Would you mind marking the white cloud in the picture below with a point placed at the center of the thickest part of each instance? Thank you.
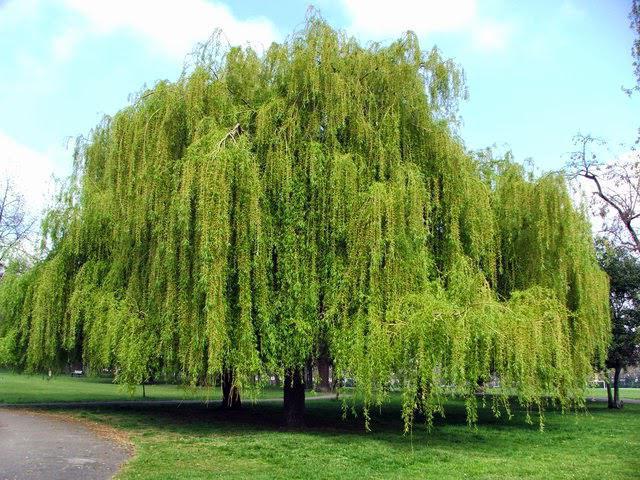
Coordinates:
(31, 171)
(16, 11)
(64, 44)
(169, 27)
(491, 36)
(570, 10)
(383, 18)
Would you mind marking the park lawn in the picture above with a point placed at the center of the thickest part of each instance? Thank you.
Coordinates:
(625, 393)
(208, 443)
(19, 388)
(198, 442)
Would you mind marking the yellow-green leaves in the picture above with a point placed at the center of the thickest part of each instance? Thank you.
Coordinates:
(262, 209)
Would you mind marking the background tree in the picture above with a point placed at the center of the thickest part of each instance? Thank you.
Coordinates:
(616, 189)
(15, 224)
(263, 211)
(623, 269)
(616, 184)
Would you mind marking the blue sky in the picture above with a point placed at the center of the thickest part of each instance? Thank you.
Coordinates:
(538, 72)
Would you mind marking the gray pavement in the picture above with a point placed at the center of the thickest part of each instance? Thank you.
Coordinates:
(41, 447)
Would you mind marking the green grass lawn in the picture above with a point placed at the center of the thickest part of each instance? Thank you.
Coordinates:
(15, 388)
(628, 393)
(199, 442)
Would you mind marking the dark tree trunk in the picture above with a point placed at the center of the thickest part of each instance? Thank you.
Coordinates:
(308, 375)
(610, 403)
(613, 392)
(294, 398)
(230, 394)
(324, 371)
(616, 391)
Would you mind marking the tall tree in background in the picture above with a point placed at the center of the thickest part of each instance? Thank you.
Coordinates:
(311, 202)
(623, 269)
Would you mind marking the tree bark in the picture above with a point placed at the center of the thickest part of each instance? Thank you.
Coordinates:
(294, 398)
(616, 391)
(230, 393)
(324, 370)
(610, 403)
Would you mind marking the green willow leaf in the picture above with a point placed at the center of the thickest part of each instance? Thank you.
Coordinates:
(265, 207)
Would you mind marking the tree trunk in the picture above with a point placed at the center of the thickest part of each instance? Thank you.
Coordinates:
(324, 370)
(610, 403)
(616, 391)
(294, 398)
(230, 394)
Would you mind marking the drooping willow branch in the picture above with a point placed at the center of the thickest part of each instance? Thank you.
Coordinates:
(339, 214)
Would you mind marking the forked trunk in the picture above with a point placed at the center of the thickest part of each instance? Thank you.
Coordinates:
(294, 398)
(230, 393)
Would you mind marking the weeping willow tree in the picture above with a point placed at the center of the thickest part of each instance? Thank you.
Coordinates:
(263, 209)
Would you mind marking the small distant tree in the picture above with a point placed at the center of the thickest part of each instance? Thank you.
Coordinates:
(15, 224)
(623, 269)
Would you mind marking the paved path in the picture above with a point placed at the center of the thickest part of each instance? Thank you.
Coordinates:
(39, 447)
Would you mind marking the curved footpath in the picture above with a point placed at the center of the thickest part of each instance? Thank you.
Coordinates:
(38, 447)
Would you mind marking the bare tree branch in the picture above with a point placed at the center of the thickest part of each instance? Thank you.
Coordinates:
(617, 185)
(15, 225)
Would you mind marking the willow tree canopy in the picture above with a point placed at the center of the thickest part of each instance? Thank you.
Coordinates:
(263, 207)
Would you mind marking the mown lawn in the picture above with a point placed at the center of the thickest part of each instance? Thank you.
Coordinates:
(17, 388)
(200, 443)
(628, 393)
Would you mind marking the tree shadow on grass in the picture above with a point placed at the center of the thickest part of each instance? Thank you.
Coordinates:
(325, 418)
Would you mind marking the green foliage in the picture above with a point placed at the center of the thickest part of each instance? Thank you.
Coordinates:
(623, 269)
(264, 206)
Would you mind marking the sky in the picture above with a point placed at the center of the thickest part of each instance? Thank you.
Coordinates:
(537, 72)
